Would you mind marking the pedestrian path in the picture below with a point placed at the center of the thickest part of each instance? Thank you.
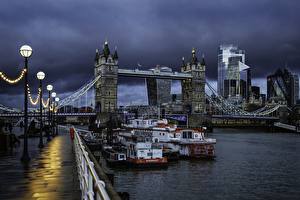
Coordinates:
(50, 175)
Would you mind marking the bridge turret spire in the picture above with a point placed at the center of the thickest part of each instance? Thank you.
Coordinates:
(194, 57)
(106, 51)
(183, 62)
(203, 61)
(97, 57)
(115, 56)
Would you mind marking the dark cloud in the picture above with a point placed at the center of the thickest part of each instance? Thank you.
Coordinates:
(64, 35)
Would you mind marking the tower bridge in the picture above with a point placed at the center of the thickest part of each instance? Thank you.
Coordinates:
(192, 77)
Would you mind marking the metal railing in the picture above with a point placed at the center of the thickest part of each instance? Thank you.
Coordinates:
(90, 184)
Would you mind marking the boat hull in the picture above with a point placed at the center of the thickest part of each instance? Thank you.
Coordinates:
(153, 162)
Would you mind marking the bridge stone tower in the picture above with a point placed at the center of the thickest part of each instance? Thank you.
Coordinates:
(193, 90)
(106, 65)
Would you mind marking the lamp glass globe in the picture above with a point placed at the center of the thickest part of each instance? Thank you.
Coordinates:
(49, 87)
(26, 51)
(40, 75)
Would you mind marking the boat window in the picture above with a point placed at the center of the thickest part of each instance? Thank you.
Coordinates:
(149, 154)
(189, 134)
(184, 135)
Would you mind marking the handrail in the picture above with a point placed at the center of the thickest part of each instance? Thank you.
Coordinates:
(90, 184)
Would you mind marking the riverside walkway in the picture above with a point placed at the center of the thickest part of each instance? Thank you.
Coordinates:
(51, 173)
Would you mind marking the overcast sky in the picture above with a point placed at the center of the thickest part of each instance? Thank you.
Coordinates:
(65, 33)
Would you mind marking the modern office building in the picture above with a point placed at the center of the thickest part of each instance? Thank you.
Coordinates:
(283, 87)
(159, 90)
(234, 76)
(255, 91)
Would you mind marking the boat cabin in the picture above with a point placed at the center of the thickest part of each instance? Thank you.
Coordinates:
(143, 150)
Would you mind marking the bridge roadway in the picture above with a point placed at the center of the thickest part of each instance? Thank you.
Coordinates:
(51, 173)
(153, 74)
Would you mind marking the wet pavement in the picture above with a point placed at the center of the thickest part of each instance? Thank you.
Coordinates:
(51, 173)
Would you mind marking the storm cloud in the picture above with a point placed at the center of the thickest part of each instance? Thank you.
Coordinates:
(64, 35)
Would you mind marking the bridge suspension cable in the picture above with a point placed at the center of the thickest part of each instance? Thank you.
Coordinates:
(76, 95)
(228, 108)
(7, 109)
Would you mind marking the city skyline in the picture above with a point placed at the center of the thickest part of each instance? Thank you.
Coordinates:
(64, 39)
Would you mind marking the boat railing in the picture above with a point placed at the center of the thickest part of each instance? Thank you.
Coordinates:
(90, 184)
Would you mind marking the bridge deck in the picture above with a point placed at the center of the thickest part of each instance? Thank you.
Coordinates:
(153, 74)
(51, 174)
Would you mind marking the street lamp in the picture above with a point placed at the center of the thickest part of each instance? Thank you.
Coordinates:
(53, 95)
(56, 100)
(26, 52)
(49, 88)
(41, 76)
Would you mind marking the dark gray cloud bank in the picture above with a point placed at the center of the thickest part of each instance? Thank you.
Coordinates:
(65, 33)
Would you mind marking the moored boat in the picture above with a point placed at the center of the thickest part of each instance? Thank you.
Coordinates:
(113, 156)
(145, 154)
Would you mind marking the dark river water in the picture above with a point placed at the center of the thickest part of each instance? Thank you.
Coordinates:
(249, 165)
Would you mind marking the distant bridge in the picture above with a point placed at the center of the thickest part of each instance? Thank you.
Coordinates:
(287, 127)
(84, 114)
(258, 117)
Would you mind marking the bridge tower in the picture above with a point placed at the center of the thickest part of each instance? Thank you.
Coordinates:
(106, 65)
(193, 90)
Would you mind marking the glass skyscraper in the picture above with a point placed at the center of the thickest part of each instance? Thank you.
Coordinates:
(283, 86)
(234, 78)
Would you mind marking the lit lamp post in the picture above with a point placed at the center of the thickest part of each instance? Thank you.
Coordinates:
(41, 76)
(49, 88)
(53, 95)
(26, 52)
(56, 100)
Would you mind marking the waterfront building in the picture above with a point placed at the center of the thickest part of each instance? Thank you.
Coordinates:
(234, 76)
(159, 90)
(282, 86)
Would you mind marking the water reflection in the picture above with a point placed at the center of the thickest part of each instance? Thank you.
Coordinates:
(253, 165)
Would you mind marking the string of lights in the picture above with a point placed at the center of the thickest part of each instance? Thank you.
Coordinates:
(33, 102)
(13, 81)
(51, 108)
(45, 104)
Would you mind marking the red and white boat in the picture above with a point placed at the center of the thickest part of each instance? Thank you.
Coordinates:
(190, 143)
(144, 154)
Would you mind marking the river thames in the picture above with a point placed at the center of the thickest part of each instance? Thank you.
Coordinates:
(249, 165)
